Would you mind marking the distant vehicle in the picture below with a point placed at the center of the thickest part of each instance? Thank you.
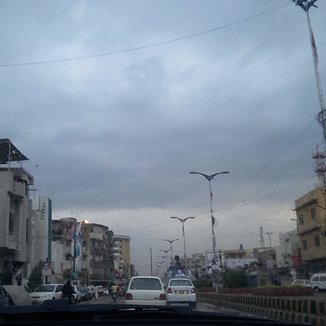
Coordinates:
(181, 290)
(318, 282)
(302, 282)
(85, 293)
(5, 298)
(76, 295)
(46, 292)
(145, 290)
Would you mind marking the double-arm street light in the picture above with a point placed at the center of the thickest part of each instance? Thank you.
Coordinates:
(171, 241)
(183, 220)
(210, 178)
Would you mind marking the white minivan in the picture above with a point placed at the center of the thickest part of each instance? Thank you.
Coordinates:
(318, 282)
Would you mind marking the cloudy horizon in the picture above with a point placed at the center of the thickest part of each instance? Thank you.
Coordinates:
(181, 86)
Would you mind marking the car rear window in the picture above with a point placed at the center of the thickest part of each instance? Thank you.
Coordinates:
(45, 288)
(180, 283)
(145, 284)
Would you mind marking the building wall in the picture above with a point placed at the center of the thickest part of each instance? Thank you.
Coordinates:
(311, 226)
(15, 219)
(288, 249)
(122, 255)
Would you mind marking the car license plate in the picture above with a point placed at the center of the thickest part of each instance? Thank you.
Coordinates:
(181, 292)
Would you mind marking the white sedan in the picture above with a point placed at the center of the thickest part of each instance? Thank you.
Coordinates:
(181, 290)
(46, 292)
(145, 290)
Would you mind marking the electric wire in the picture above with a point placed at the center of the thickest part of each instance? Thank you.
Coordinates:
(146, 46)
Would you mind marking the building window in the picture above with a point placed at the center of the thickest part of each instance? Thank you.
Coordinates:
(313, 213)
(11, 223)
(304, 245)
(301, 220)
(68, 257)
(317, 241)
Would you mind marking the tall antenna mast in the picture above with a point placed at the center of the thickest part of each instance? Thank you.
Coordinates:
(319, 156)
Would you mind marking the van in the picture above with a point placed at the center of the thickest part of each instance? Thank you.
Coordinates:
(318, 282)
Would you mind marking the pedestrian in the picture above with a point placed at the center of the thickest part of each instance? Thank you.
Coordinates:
(67, 291)
(96, 292)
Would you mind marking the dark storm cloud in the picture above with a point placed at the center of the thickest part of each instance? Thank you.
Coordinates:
(121, 132)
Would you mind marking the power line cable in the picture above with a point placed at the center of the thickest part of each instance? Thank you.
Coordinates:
(272, 160)
(142, 47)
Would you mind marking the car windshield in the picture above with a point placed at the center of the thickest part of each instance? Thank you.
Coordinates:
(180, 283)
(145, 284)
(144, 141)
(45, 288)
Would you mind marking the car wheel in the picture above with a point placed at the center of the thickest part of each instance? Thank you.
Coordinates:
(316, 289)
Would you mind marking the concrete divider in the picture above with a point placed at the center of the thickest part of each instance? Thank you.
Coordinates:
(289, 309)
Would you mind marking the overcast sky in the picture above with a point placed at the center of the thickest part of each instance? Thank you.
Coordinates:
(111, 138)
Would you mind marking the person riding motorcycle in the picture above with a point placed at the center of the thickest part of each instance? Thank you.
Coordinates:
(114, 291)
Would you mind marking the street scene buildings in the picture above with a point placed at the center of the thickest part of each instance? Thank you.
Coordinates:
(91, 253)
(64, 248)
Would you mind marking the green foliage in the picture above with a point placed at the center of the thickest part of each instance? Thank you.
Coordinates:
(203, 284)
(35, 279)
(235, 279)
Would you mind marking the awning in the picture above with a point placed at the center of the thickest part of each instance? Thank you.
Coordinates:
(9, 152)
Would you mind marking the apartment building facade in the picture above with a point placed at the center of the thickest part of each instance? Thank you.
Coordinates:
(15, 215)
(311, 227)
(122, 257)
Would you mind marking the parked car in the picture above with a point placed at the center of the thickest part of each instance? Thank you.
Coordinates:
(145, 290)
(76, 295)
(301, 282)
(46, 292)
(181, 290)
(318, 282)
(85, 294)
(5, 298)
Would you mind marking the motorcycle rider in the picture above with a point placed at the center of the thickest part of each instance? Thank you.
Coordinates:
(114, 291)
(67, 291)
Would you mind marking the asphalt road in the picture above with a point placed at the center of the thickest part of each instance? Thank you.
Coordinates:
(201, 306)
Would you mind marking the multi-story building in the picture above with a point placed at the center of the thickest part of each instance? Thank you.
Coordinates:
(82, 250)
(41, 233)
(15, 215)
(266, 257)
(287, 254)
(238, 258)
(311, 226)
(122, 257)
(98, 261)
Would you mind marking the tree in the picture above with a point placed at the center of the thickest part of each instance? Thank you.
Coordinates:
(235, 279)
(35, 279)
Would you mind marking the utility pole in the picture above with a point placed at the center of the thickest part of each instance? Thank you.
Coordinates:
(319, 156)
(151, 260)
(209, 178)
(183, 220)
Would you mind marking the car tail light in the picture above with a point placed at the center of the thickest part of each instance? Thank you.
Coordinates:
(193, 290)
(169, 290)
(162, 296)
(128, 296)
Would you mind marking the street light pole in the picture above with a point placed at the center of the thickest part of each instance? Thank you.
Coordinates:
(210, 178)
(171, 241)
(151, 260)
(183, 220)
(166, 261)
